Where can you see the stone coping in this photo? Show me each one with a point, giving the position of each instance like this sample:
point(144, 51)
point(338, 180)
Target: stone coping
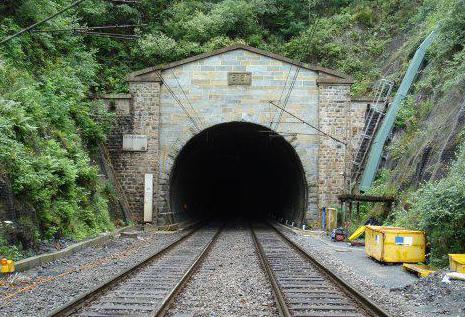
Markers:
point(140, 74)
point(41, 259)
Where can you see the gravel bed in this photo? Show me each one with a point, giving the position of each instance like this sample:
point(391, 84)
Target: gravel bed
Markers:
point(434, 298)
point(230, 282)
point(425, 297)
point(71, 276)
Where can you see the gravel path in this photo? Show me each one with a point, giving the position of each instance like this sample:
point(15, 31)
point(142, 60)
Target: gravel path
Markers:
point(40, 290)
point(388, 286)
point(229, 283)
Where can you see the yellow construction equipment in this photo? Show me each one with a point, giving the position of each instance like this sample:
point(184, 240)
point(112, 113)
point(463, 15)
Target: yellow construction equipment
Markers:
point(457, 262)
point(7, 266)
point(357, 233)
point(395, 245)
point(421, 270)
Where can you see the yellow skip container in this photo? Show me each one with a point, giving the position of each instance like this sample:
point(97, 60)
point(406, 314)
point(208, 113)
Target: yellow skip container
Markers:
point(395, 245)
point(457, 262)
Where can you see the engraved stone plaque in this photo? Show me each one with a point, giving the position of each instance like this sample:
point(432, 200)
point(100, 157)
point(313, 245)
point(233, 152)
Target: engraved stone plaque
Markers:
point(239, 78)
point(134, 143)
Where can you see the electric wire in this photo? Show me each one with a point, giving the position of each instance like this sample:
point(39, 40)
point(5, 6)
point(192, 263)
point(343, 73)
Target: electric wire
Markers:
point(87, 28)
point(282, 94)
point(286, 100)
point(112, 35)
point(187, 98)
point(178, 101)
point(33, 26)
point(308, 124)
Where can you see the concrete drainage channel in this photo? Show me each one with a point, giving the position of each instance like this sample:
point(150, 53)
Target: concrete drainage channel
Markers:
point(301, 285)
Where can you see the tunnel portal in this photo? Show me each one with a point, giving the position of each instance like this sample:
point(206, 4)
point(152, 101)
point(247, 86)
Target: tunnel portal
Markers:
point(238, 169)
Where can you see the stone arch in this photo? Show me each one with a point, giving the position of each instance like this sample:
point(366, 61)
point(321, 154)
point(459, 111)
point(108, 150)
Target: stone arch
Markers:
point(284, 165)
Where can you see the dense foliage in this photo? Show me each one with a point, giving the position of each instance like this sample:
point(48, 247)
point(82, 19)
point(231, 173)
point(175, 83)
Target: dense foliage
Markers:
point(48, 127)
point(438, 207)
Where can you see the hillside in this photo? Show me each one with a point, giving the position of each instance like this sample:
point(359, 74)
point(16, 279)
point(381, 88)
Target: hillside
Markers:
point(51, 125)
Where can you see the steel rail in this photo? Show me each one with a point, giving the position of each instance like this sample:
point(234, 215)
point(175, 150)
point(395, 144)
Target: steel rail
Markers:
point(277, 293)
point(366, 304)
point(170, 298)
point(77, 303)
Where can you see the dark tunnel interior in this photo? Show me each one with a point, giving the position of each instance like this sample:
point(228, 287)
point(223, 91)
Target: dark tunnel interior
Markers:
point(238, 169)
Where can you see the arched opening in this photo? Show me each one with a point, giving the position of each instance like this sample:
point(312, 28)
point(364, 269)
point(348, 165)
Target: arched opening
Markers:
point(238, 169)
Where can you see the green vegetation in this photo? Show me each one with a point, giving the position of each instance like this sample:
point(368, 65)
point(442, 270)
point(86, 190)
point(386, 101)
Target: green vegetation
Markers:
point(438, 207)
point(49, 125)
point(48, 128)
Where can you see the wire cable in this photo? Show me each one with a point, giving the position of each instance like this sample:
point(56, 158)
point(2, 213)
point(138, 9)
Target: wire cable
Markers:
point(88, 28)
point(187, 98)
point(286, 100)
point(308, 124)
point(33, 26)
point(178, 101)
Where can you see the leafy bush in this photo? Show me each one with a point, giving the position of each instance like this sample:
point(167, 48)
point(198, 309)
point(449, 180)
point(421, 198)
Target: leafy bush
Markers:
point(439, 208)
point(48, 127)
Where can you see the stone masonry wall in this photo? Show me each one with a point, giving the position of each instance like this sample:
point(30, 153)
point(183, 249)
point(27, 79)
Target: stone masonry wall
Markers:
point(202, 87)
point(214, 101)
point(333, 157)
point(138, 115)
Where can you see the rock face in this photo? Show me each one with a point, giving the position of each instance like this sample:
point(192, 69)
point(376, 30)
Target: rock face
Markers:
point(170, 104)
point(429, 153)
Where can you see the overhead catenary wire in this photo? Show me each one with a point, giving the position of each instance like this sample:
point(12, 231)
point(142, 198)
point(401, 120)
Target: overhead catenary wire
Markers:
point(88, 28)
point(187, 98)
point(282, 93)
point(178, 101)
point(308, 124)
point(286, 100)
point(112, 35)
point(285, 84)
point(33, 26)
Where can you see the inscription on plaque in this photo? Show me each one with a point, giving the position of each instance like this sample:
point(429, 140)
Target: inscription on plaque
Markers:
point(239, 79)
point(134, 143)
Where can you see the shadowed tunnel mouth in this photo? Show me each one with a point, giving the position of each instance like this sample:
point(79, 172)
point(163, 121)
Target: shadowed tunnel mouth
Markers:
point(238, 169)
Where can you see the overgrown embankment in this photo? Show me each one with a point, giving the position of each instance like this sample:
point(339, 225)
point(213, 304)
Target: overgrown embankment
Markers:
point(426, 156)
point(48, 130)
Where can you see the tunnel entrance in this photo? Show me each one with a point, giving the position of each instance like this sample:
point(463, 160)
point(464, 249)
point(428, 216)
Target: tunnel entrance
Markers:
point(238, 169)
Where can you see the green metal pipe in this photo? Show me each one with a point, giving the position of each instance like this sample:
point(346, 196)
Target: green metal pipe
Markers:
point(383, 132)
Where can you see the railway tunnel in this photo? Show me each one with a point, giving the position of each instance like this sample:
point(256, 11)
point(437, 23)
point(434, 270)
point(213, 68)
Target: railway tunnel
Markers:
point(238, 169)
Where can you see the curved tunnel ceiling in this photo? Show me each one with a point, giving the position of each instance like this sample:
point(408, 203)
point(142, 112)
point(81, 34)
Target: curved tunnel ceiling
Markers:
point(238, 169)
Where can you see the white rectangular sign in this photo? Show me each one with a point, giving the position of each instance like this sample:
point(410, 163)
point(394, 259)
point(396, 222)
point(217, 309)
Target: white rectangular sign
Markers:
point(148, 198)
point(134, 142)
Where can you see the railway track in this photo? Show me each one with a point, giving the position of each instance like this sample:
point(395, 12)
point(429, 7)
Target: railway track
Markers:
point(304, 287)
point(301, 285)
point(148, 288)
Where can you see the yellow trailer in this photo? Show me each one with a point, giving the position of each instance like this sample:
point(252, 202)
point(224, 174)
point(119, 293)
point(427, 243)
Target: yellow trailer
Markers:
point(395, 245)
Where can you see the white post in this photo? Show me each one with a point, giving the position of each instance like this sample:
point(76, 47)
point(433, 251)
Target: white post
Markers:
point(148, 198)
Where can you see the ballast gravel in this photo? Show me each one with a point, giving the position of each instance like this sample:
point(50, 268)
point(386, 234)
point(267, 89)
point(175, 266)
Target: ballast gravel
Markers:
point(40, 290)
point(230, 281)
point(426, 297)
